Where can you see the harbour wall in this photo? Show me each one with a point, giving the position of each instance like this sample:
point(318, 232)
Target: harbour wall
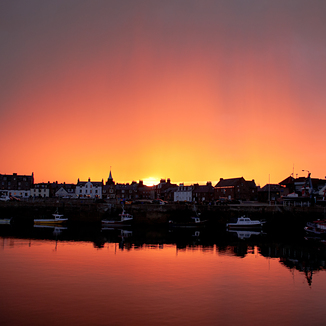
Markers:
point(90, 211)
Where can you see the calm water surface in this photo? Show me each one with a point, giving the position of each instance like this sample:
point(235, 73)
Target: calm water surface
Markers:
point(53, 280)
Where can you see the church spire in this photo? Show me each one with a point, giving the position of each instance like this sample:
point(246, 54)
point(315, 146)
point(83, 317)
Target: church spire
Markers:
point(110, 179)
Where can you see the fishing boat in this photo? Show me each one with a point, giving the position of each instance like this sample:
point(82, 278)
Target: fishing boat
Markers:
point(124, 220)
point(245, 223)
point(57, 219)
point(193, 222)
point(5, 220)
point(316, 227)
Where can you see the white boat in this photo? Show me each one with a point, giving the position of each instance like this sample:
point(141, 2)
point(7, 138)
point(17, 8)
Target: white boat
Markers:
point(124, 220)
point(245, 223)
point(57, 219)
point(316, 227)
point(5, 220)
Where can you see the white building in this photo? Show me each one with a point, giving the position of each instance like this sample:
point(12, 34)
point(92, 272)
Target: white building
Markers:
point(40, 190)
point(183, 193)
point(89, 189)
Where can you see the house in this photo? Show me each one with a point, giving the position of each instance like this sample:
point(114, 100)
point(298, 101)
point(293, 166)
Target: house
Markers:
point(66, 190)
point(271, 192)
point(164, 190)
point(16, 185)
point(127, 191)
point(89, 189)
point(203, 193)
point(41, 190)
point(144, 192)
point(236, 189)
point(183, 193)
point(301, 184)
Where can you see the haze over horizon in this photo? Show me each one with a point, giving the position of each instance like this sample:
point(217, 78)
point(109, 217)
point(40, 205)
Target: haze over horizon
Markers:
point(188, 90)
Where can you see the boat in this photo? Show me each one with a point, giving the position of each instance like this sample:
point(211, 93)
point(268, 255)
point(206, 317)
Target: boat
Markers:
point(57, 219)
point(124, 220)
point(245, 223)
point(317, 227)
point(194, 222)
point(5, 220)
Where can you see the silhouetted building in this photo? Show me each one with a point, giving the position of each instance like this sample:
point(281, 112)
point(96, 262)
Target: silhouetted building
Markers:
point(127, 191)
point(236, 188)
point(108, 190)
point(271, 192)
point(16, 185)
point(203, 193)
point(164, 190)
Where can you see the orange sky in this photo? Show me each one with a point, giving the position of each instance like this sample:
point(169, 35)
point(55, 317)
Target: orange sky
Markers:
point(188, 90)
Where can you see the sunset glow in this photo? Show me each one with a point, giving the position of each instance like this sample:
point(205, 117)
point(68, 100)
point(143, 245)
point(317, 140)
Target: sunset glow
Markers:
point(151, 181)
point(189, 90)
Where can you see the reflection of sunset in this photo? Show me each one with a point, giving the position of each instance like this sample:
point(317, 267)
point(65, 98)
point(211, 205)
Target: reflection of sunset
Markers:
point(191, 95)
point(155, 283)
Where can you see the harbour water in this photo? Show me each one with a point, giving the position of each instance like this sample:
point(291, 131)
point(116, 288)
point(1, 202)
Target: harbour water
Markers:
point(159, 277)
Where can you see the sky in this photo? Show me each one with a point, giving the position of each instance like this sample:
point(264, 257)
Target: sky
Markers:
point(188, 90)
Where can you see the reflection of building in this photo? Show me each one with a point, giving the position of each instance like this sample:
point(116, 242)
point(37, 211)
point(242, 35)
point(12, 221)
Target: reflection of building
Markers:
point(304, 259)
point(236, 188)
point(89, 189)
point(16, 185)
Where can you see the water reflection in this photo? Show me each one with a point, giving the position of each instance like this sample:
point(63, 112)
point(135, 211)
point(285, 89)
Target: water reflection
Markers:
point(306, 255)
point(163, 276)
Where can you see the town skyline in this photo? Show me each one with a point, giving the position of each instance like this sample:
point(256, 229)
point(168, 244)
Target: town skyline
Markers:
point(152, 181)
